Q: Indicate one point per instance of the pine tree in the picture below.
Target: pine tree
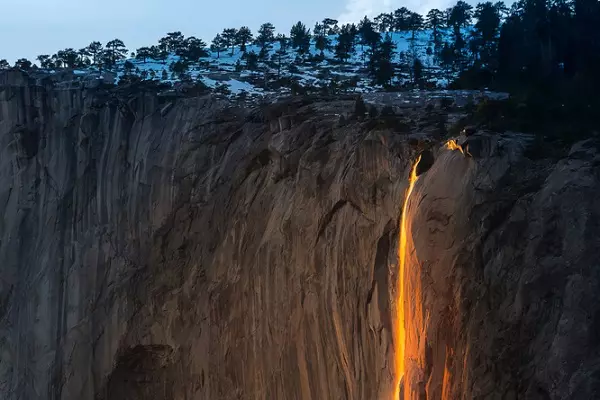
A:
(218, 45)
(143, 53)
(172, 42)
(83, 57)
(381, 67)
(251, 61)
(435, 22)
(128, 67)
(345, 42)
(459, 17)
(330, 26)
(95, 49)
(401, 17)
(281, 52)
(322, 41)
(243, 37)
(384, 22)
(300, 38)
(418, 73)
(486, 33)
(116, 51)
(179, 68)
(160, 53)
(23, 64)
(230, 38)
(68, 57)
(4, 64)
(45, 61)
(192, 49)
(447, 60)
(164, 75)
(368, 35)
(266, 36)
(415, 24)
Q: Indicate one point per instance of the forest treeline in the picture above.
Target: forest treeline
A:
(545, 51)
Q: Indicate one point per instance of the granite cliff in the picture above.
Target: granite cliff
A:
(157, 247)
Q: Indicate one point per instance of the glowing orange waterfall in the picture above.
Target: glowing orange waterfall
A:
(400, 320)
(452, 145)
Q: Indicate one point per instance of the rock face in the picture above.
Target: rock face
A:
(158, 248)
(507, 255)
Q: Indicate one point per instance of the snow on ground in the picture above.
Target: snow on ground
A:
(219, 69)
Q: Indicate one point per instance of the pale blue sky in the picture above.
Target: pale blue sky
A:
(32, 27)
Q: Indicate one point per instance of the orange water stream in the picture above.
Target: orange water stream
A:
(400, 320)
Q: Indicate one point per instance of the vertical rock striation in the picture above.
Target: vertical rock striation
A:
(507, 249)
(154, 247)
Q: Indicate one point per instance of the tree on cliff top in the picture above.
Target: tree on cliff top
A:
(95, 49)
(218, 45)
(24, 64)
(266, 36)
(230, 38)
(300, 38)
(243, 37)
(115, 51)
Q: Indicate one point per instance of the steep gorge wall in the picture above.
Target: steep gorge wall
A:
(163, 249)
(506, 249)
(158, 248)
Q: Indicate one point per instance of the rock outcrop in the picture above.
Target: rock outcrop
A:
(162, 248)
(507, 255)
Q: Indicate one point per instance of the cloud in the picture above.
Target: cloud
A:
(357, 9)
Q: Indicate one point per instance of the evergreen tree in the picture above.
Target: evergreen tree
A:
(4, 64)
(192, 49)
(243, 37)
(401, 17)
(58, 63)
(218, 45)
(368, 35)
(45, 61)
(172, 42)
(459, 17)
(447, 60)
(418, 73)
(68, 58)
(322, 41)
(415, 24)
(281, 52)
(384, 22)
(266, 37)
(83, 57)
(381, 65)
(345, 42)
(143, 53)
(331, 26)
(230, 38)
(300, 38)
(95, 49)
(486, 33)
(128, 67)
(160, 53)
(251, 61)
(116, 51)
(435, 22)
(179, 68)
(164, 75)
(24, 64)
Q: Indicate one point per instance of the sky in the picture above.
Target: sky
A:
(32, 27)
